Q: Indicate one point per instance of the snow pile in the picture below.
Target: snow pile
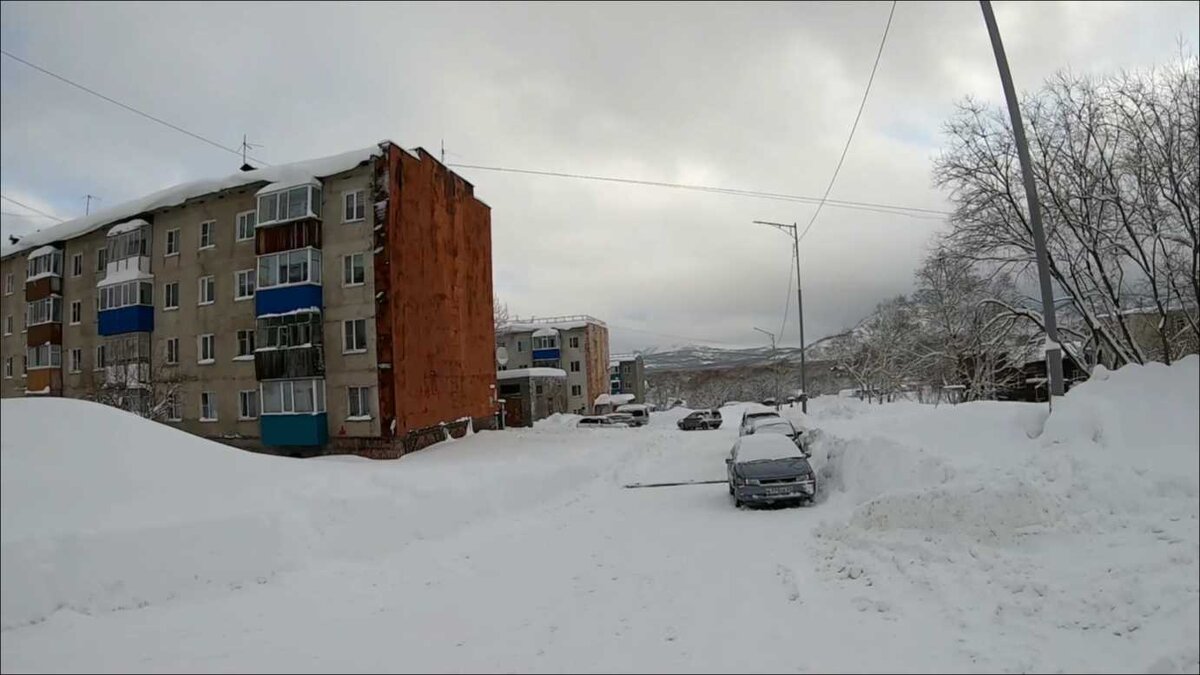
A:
(1086, 527)
(114, 512)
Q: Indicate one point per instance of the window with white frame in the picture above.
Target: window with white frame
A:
(8, 367)
(171, 295)
(101, 361)
(244, 283)
(358, 405)
(208, 290)
(248, 404)
(45, 264)
(355, 206)
(354, 336)
(280, 397)
(172, 351)
(76, 360)
(299, 266)
(101, 259)
(8, 284)
(76, 312)
(575, 342)
(545, 342)
(208, 234)
(133, 243)
(576, 390)
(208, 406)
(303, 201)
(245, 343)
(174, 407)
(126, 294)
(353, 272)
(172, 243)
(206, 348)
(77, 265)
(46, 310)
(246, 221)
(8, 325)
(43, 356)
(574, 366)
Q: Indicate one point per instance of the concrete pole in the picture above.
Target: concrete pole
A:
(800, 318)
(1053, 346)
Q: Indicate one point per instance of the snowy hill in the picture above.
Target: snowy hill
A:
(698, 357)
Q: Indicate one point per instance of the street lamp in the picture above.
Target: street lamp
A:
(792, 230)
(773, 367)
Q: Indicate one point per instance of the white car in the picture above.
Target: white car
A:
(753, 413)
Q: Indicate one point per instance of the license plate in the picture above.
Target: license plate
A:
(777, 491)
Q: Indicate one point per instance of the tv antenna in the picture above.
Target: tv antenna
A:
(245, 147)
(87, 209)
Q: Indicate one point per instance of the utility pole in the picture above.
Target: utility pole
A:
(1053, 347)
(774, 366)
(794, 231)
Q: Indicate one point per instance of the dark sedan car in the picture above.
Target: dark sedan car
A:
(769, 468)
(701, 419)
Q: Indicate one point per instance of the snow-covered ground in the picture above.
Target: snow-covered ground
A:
(977, 537)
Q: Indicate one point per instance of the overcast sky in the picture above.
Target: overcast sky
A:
(740, 95)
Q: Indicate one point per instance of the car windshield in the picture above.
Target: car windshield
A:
(775, 427)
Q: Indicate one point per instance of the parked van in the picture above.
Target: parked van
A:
(640, 413)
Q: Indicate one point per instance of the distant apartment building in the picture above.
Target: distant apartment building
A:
(627, 375)
(577, 344)
(530, 394)
(309, 307)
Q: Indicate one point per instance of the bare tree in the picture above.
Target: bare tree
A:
(500, 314)
(143, 386)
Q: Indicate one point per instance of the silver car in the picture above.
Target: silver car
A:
(769, 468)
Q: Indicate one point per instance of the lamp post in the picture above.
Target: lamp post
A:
(773, 367)
(793, 230)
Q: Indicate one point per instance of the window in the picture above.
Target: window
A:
(293, 397)
(355, 206)
(8, 367)
(248, 404)
(245, 343)
(76, 360)
(76, 312)
(574, 366)
(172, 243)
(298, 202)
(172, 351)
(48, 264)
(244, 285)
(46, 310)
(245, 225)
(43, 356)
(174, 409)
(8, 324)
(208, 290)
(101, 259)
(77, 265)
(292, 330)
(207, 348)
(546, 342)
(8, 284)
(353, 272)
(576, 390)
(575, 342)
(171, 295)
(208, 231)
(208, 406)
(354, 336)
(101, 361)
(127, 243)
(359, 404)
(299, 266)
(126, 294)
(520, 346)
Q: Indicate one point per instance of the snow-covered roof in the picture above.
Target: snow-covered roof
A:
(178, 194)
(613, 399)
(127, 226)
(287, 184)
(521, 373)
(44, 250)
(545, 332)
(630, 407)
(121, 276)
(766, 446)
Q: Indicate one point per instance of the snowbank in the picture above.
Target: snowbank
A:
(114, 512)
(1082, 523)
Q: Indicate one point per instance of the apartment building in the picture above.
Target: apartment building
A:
(287, 307)
(577, 344)
(627, 375)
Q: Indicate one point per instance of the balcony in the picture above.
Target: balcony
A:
(131, 319)
(294, 430)
(289, 363)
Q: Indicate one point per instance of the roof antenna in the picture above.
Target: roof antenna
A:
(87, 210)
(12, 239)
(247, 146)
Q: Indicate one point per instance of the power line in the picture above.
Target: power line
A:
(788, 302)
(26, 206)
(130, 108)
(891, 209)
(862, 104)
(14, 214)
